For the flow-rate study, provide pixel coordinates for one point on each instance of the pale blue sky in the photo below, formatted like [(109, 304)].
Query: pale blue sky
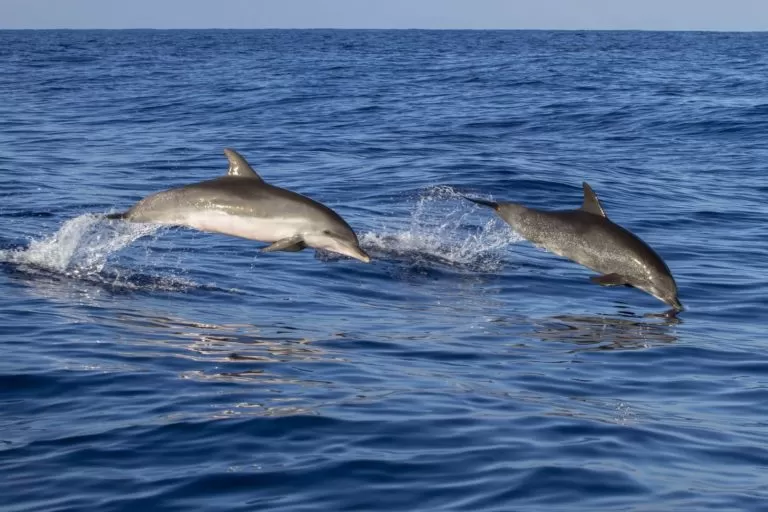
[(476, 14)]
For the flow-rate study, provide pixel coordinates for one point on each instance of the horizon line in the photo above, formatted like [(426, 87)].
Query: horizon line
[(441, 29)]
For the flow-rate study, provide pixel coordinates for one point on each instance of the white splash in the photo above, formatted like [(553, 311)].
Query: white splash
[(80, 247), (443, 229)]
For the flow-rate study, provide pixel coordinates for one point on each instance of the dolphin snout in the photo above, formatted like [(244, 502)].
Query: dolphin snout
[(361, 255), (352, 249), (675, 303)]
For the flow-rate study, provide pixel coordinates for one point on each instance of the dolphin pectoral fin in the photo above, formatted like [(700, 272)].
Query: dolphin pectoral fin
[(610, 280), (591, 203), (292, 244)]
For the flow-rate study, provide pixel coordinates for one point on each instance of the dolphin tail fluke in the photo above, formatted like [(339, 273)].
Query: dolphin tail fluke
[(116, 216), (483, 202)]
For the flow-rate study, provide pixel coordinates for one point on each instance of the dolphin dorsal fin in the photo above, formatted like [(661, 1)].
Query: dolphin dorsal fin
[(238, 166), (591, 203)]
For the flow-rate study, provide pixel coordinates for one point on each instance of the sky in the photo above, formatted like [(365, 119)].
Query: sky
[(437, 14)]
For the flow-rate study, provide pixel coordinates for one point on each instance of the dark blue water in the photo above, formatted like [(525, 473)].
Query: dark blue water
[(462, 370)]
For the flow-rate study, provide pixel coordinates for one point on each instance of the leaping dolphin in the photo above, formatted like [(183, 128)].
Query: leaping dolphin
[(242, 204), (589, 238)]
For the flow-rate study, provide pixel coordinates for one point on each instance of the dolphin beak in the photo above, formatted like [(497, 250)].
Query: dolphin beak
[(675, 303), (362, 256), (352, 250), (348, 246)]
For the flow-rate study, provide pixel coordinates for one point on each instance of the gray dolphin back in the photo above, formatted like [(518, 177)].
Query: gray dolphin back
[(586, 236), (242, 204)]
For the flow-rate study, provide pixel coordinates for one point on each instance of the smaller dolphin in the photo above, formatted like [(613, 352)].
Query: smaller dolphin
[(242, 204), (589, 238)]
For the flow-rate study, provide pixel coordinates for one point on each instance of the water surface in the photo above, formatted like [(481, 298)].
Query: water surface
[(166, 369)]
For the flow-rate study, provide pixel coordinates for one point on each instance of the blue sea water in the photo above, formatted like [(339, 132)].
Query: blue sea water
[(463, 369)]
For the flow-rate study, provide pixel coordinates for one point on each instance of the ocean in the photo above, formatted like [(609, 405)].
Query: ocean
[(149, 368)]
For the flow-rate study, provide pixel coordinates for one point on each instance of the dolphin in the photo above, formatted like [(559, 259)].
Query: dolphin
[(589, 238), (242, 204)]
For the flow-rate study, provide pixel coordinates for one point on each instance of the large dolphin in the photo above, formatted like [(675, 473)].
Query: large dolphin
[(242, 204), (589, 238)]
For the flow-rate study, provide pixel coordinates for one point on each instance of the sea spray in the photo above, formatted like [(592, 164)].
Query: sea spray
[(80, 250), (80, 247), (443, 229)]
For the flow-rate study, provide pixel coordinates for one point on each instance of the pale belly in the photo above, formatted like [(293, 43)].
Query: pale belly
[(252, 228)]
